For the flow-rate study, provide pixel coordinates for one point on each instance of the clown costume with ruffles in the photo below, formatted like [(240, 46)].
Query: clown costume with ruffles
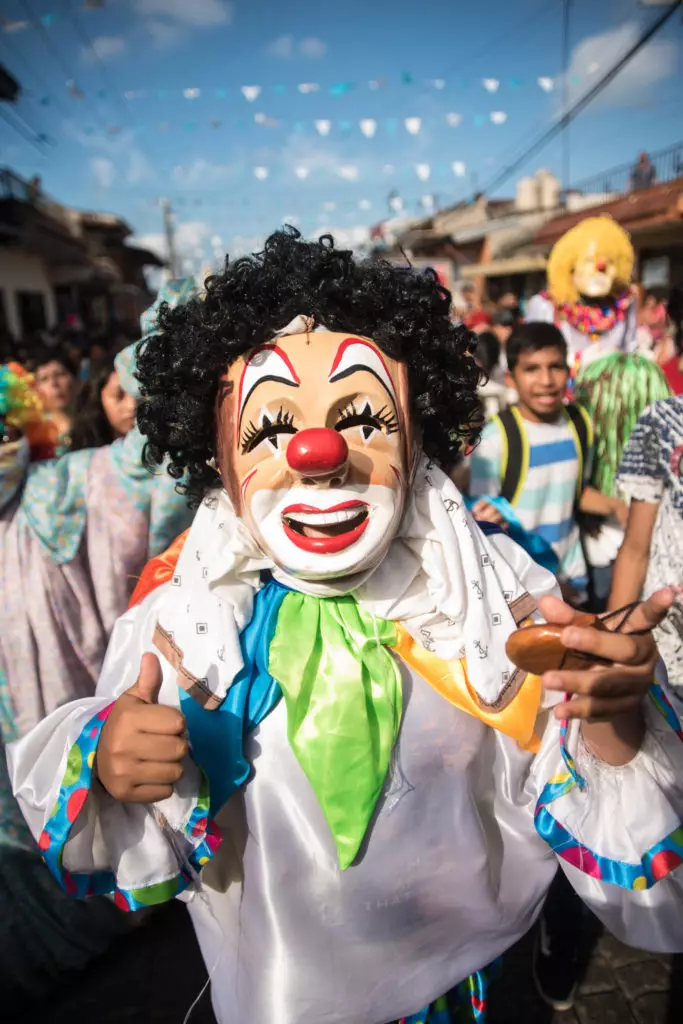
[(307, 724)]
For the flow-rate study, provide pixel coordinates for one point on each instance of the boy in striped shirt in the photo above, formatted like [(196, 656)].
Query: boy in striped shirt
[(553, 463)]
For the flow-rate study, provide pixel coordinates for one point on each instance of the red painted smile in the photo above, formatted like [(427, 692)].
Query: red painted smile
[(325, 531)]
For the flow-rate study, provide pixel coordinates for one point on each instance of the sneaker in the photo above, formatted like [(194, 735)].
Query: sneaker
[(554, 970)]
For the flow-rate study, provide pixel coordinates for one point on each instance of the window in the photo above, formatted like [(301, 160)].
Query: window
[(31, 308)]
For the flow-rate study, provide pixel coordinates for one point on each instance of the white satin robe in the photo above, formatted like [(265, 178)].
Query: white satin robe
[(451, 874)]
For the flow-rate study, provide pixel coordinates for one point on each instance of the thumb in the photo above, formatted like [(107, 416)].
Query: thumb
[(148, 684), (650, 613), (556, 611)]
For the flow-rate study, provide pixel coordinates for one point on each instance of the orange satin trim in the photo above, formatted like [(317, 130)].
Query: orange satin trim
[(449, 678), (159, 570)]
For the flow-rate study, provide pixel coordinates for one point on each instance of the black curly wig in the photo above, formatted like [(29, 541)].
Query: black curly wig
[(405, 312)]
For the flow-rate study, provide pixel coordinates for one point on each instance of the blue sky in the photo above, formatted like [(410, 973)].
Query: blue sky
[(137, 134)]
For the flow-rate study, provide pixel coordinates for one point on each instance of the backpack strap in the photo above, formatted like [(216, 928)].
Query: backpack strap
[(581, 426), (514, 463)]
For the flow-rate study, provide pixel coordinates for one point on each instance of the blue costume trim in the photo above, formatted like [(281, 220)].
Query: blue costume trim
[(217, 749), (217, 737), (655, 864)]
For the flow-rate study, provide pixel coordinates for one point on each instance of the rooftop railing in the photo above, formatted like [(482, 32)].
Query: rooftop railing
[(668, 165)]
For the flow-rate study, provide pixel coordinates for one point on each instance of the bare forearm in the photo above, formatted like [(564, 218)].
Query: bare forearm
[(598, 504), (628, 579), (616, 742)]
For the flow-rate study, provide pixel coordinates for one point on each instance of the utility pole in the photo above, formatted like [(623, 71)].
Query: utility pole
[(169, 231), (566, 145)]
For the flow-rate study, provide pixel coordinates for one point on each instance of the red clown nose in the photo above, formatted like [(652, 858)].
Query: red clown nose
[(317, 452)]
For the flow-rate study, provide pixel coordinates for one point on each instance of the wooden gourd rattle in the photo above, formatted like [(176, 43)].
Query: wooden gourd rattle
[(539, 648)]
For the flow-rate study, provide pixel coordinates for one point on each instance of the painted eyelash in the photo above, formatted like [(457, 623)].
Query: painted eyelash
[(253, 435), (385, 417)]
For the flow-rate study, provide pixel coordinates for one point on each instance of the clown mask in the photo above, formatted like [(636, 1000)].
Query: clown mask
[(313, 450), (594, 273)]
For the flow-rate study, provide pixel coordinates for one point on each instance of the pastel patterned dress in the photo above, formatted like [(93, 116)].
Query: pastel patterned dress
[(75, 533), (652, 471)]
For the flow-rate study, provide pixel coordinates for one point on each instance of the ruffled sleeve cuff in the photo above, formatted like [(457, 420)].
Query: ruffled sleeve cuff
[(639, 487), (139, 854), (619, 825)]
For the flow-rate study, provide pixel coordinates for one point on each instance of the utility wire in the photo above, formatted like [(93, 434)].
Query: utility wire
[(35, 75), (503, 39), (103, 70), (21, 130), (580, 105), (54, 50)]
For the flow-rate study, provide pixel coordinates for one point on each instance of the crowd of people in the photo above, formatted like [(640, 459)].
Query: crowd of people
[(80, 516), (312, 568)]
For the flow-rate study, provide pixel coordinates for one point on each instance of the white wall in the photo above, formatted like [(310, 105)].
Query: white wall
[(20, 272)]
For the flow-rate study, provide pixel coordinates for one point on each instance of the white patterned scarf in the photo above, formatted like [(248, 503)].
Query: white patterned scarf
[(441, 578)]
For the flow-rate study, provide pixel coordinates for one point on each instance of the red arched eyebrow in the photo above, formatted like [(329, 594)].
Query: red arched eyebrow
[(354, 355), (267, 362)]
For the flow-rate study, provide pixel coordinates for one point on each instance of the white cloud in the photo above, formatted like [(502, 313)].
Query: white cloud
[(103, 48), (120, 151), (164, 34), (287, 47), (192, 246), (201, 172), (282, 47), (593, 56), (302, 155), (103, 171), (356, 237), (313, 48), (139, 168), (189, 12), (167, 21)]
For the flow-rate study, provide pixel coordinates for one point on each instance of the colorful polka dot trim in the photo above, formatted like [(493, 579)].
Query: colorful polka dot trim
[(596, 320), (658, 862), (74, 792), (564, 750), (656, 695)]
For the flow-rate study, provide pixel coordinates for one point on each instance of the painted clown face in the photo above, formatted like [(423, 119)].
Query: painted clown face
[(313, 451), (594, 273)]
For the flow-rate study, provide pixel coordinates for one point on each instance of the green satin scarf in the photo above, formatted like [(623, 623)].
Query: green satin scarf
[(342, 689)]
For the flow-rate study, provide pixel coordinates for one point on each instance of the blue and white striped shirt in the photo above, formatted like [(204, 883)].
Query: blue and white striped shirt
[(546, 505)]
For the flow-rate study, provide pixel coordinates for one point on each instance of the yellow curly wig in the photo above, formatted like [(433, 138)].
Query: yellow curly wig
[(613, 243)]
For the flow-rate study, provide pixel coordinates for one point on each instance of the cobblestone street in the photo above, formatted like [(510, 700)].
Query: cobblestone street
[(154, 975)]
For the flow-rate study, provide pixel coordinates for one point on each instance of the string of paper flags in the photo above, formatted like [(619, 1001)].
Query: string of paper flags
[(251, 93), (14, 25), (344, 171), (367, 126), (352, 172), (396, 203)]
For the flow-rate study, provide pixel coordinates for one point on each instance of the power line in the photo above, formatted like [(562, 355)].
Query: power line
[(54, 50), (504, 38), (21, 130), (566, 149), (47, 90), (103, 70), (521, 145), (582, 103)]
